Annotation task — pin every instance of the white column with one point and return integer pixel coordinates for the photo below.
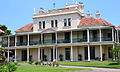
(8, 55)
(100, 35)
(101, 53)
(56, 37)
(41, 38)
(8, 41)
(71, 37)
(88, 52)
(114, 55)
(56, 53)
(53, 53)
(41, 54)
(88, 35)
(28, 54)
(115, 36)
(38, 54)
(15, 40)
(118, 36)
(71, 53)
(112, 34)
(28, 40)
(15, 55)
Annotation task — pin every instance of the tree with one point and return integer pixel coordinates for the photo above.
(5, 29)
(116, 54)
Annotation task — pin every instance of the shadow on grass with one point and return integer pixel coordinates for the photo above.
(114, 64)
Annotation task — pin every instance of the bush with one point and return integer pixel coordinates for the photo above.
(10, 67)
(37, 62)
(31, 62)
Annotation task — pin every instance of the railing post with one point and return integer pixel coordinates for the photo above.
(28, 40)
(118, 36)
(88, 35)
(56, 37)
(100, 34)
(112, 34)
(15, 40)
(71, 37)
(8, 41)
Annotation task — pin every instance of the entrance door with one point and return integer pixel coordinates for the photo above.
(67, 53)
(24, 55)
(92, 53)
(52, 54)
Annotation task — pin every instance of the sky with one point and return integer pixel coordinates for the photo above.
(17, 13)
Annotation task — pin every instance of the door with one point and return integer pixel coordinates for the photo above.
(94, 34)
(21, 39)
(53, 38)
(92, 53)
(24, 55)
(84, 36)
(67, 53)
(52, 54)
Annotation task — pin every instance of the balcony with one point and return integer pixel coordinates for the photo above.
(35, 42)
(49, 41)
(106, 39)
(12, 44)
(77, 40)
(63, 41)
(21, 43)
(4, 44)
(95, 39)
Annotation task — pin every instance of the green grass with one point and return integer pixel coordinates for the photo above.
(23, 63)
(91, 64)
(33, 68)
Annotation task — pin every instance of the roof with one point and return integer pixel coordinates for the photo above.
(26, 28)
(94, 21)
(117, 27)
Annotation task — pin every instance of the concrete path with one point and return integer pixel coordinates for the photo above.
(95, 69)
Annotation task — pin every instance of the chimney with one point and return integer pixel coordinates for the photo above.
(97, 14)
(41, 10)
(88, 14)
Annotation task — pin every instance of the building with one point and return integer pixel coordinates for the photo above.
(63, 34)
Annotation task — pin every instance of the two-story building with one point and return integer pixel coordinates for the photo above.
(65, 35)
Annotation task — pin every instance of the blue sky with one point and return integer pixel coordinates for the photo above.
(17, 13)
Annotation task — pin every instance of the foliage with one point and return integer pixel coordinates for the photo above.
(61, 57)
(10, 67)
(37, 62)
(116, 53)
(8, 32)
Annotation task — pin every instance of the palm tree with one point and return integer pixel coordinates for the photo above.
(116, 53)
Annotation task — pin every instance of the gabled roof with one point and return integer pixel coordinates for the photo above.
(117, 27)
(94, 21)
(26, 28)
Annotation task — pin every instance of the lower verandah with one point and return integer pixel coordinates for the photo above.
(65, 53)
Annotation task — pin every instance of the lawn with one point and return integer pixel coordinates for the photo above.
(33, 68)
(92, 64)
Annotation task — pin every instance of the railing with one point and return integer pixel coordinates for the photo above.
(49, 41)
(12, 44)
(4, 44)
(35, 42)
(63, 41)
(95, 39)
(21, 43)
(106, 39)
(77, 40)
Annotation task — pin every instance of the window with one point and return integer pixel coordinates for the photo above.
(56, 22)
(52, 23)
(69, 21)
(43, 24)
(39, 25)
(65, 22)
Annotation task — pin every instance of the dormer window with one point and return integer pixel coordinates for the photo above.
(65, 22)
(40, 25)
(43, 24)
(69, 21)
(52, 23)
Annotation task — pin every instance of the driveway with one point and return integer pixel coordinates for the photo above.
(95, 69)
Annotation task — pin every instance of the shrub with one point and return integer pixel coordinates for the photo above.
(37, 62)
